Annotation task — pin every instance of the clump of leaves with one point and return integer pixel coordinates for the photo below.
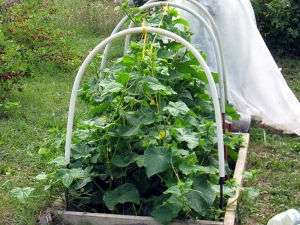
(150, 145)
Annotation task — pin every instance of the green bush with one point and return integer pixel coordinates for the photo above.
(29, 36)
(13, 66)
(278, 22)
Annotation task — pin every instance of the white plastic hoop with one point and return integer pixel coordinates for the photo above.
(216, 42)
(169, 34)
(217, 35)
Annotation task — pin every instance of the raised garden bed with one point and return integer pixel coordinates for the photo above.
(79, 218)
(154, 138)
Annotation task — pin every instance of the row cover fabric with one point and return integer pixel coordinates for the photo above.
(256, 86)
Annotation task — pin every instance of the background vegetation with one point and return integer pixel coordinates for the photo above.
(33, 118)
(279, 24)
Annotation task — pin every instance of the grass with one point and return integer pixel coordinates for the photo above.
(291, 72)
(275, 156)
(277, 179)
(25, 130)
(40, 119)
(28, 129)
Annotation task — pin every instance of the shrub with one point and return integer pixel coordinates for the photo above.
(29, 36)
(279, 24)
(13, 66)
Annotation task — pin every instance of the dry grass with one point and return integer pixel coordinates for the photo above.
(96, 16)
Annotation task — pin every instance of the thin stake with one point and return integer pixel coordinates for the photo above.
(67, 193)
(221, 192)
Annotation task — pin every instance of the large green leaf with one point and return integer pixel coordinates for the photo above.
(177, 108)
(184, 135)
(165, 54)
(227, 191)
(140, 160)
(201, 75)
(95, 156)
(81, 151)
(190, 168)
(155, 85)
(123, 77)
(154, 21)
(185, 67)
(58, 161)
(22, 193)
(175, 204)
(122, 160)
(163, 214)
(67, 176)
(181, 21)
(132, 100)
(173, 74)
(200, 183)
(112, 87)
(123, 193)
(80, 183)
(129, 132)
(136, 118)
(169, 210)
(231, 112)
(196, 201)
(124, 131)
(191, 120)
(181, 152)
(185, 94)
(156, 160)
(100, 108)
(128, 60)
(233, 154)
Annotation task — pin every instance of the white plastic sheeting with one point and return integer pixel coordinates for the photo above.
(256, 85)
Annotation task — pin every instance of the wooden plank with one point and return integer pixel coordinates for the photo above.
(231, 210)
(79, 218)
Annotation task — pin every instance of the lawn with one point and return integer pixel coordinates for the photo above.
(274, 158)
(38, 119)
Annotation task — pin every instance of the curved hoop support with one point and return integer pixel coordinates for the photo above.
(217, 35)
(169, 34)
(216, 42)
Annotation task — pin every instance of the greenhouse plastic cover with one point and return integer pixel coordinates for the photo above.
(256, 86)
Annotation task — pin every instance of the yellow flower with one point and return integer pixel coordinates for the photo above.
(103, 118)
(162, 134)
(152, 102)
